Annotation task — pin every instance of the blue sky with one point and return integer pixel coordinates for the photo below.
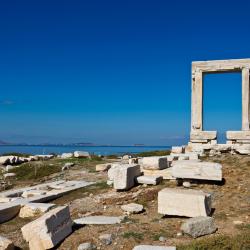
(116, 71)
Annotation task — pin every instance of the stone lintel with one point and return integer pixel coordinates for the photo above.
(238, 135)
(220, 65)
(203, 135)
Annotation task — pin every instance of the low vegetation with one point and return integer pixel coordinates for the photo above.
(154, 153)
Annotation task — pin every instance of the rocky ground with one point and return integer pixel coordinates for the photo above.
(231, 203)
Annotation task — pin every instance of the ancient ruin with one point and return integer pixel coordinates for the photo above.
(199, 69)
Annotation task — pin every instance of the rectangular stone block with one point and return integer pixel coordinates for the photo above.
(203, 135)
(238, 135)
(48, 230)
(197, 170)
(177, 150)
(124, 176)
(149, 180)
(179, 202)
(154, 162)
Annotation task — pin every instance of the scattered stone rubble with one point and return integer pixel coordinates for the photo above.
(55, 222)
(25, 200)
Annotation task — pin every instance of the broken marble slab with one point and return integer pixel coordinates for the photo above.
(197, 170)
(48, 230)
(180, 202)
(99, 220)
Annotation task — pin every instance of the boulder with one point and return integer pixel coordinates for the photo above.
(98, 220)
(48, 230)
(180, 202)
(199, 226)
(150, 247)
(103, 167)
(177, 149)
(82, 154)
(197, 170)
(149, 180)
(34, 209)
(124, 176)
(67, 155)
(154, 162)
(6, 244)
(132, 208)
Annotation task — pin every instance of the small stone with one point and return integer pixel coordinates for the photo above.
(106, 239)
(186, 184)
(238, 222)
(86, 246)
(162, 239)
(68, 165)
(133, 208)
(179, 234)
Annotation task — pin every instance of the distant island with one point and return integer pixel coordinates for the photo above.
(76, 144)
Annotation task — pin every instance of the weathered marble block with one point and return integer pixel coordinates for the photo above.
(124, 176)
(48, 230)
(177, 150)
(8, 211)
(197, 170)
(179, 202)
(149, 180)
(154, 162)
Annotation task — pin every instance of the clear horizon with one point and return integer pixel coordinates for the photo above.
(116, 72)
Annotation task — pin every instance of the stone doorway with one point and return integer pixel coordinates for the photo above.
(197, 134)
